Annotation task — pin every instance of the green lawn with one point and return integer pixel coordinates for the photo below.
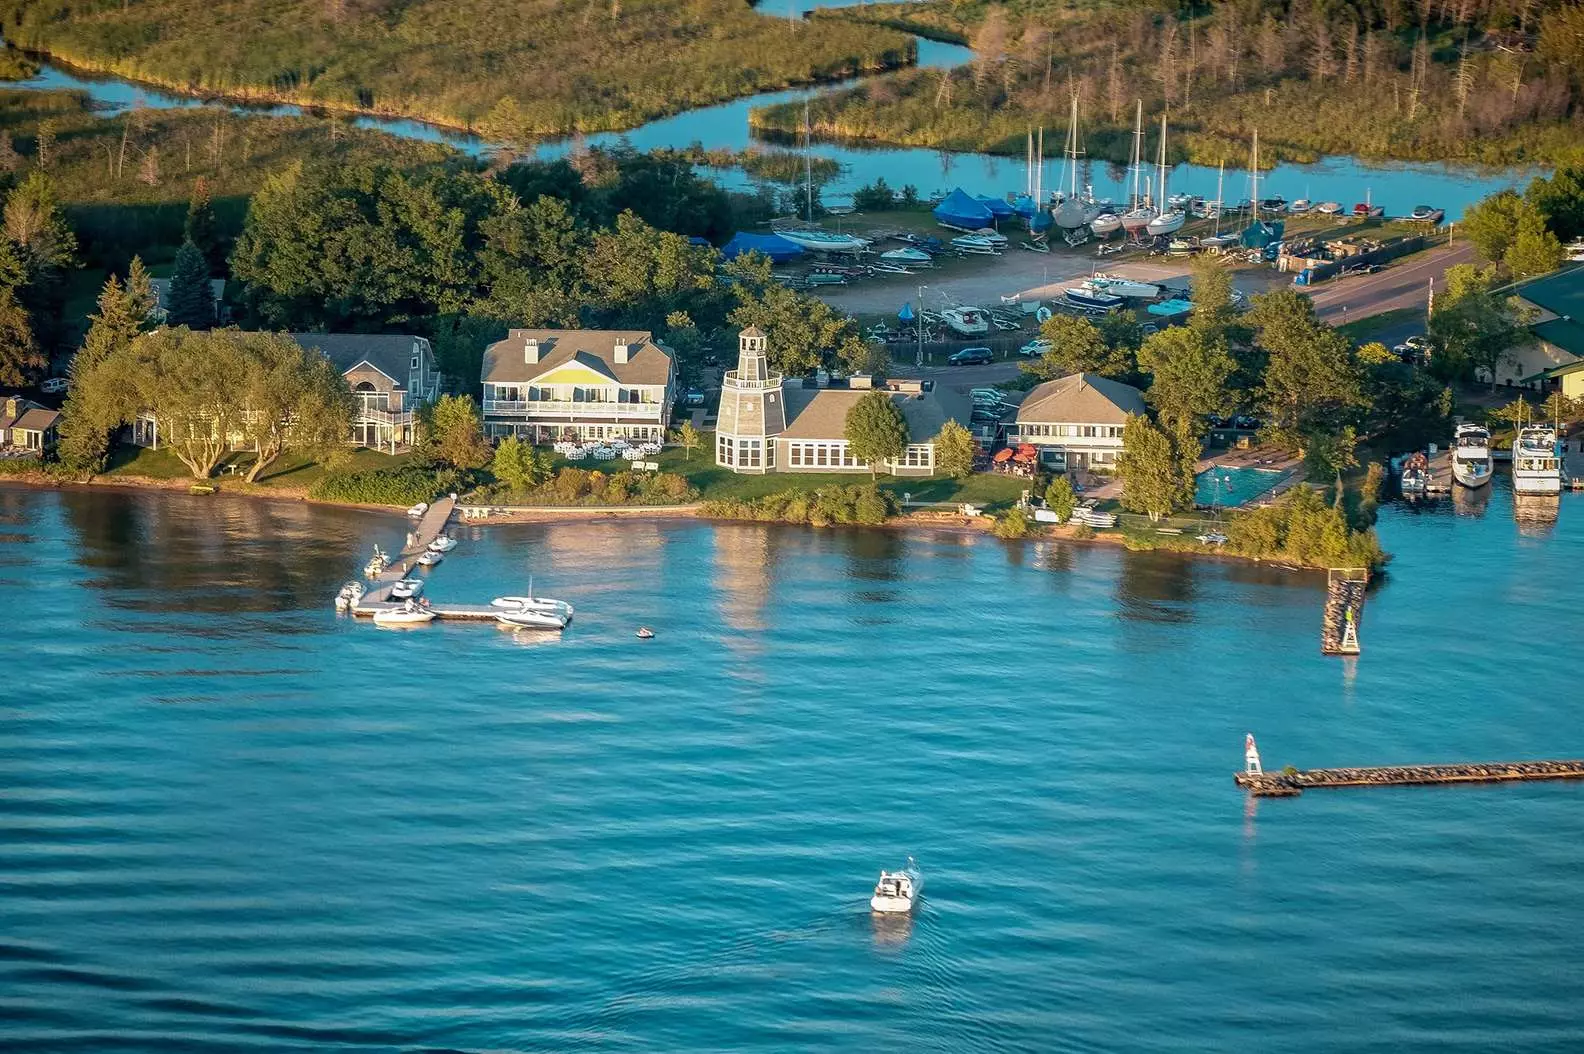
(289, 471)
(1364, 329)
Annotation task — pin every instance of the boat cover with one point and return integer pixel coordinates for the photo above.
(1026, 206)
(906, 314)
(1259, 235)
(960, 210)
(777, 248)
(998, 208)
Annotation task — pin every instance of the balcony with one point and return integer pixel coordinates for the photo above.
(733, 379)
(379, 415)
(576, 409)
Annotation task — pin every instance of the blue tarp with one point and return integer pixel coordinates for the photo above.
(772, 245)
(997, 207)
(906, 314)
(1259, 235)
(1025, 206)
(959, 210)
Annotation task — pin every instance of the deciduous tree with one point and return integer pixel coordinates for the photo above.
(1150, 470)
(295, 399)
(1078, 346)
(954, 451)
(1311, 383)
(456, 430)
(1191, 373)
(875, 430)
(519, 465)
(689, 437)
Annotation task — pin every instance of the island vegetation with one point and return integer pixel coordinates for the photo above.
(1485, 81)
(511, 71)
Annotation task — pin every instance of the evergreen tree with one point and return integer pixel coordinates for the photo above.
(190, 302)
(117, 323)
(140, 289)
(201, 228)
(20, 360)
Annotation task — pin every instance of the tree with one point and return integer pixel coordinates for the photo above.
(875, 430)
(870, 507)
(1534, 250)
(457, 432)
(140, 288)
(1214, 312)
(1334, 455)
(804, 331)
(1077, 346)
(1060, 498)
(189, 301)
(21, 362)
(117, 323)
(1150, 469)
(1560, 199)
(689, 437)
(954, 451)
(295, 399)
(1492, 223)
(519, 465)
(35, 225)
(200, 227)
(1473, 327)
(1519, 412)
(1558, 407)
(1311, 382)
(1191, 373)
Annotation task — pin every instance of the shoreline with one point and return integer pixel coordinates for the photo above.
(959, 526)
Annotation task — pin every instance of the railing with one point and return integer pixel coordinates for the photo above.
(389, 417)
(732, 380)
(576, 408)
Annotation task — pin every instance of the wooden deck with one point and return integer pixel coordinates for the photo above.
(1440, 472)
(1291, 784)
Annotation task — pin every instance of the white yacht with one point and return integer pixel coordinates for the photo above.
(407, 588)
(1471, 455)
(443, 544)
(540, 605)
(430, 558)
(897, 891)
(1116, 285)
(966, 321)
(1536, 467)
(409, 614)
(522, 618)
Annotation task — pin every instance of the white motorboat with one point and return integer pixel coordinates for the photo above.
(906, 255)
(1471, 455)
(977, 245)
(823, 241)
(966, 321)
(1091, 299)
(443, 544)
(645, 633)
(532, 620)
(1166, 223)
(349, 596)
(1427, 214)
(1536, 468)
(409, 614)
(407, 588)
(1301, 206)
(1108, 223)
(418, 510)
(377, 563)
(898, 891)
(1329, 208)
(542, 605)
(1116, 285)
(430, 558)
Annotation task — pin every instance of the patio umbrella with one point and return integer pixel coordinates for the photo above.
(1002, 455)
(906, 314)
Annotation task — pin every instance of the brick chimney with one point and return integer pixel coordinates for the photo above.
(621, 349)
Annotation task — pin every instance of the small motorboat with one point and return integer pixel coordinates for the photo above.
(543, 605)
(409, 614)
(430, 558)
(1116, 285)
(645, 633)
(1078, 296)
(906, 255)
(418, 510)
(1329, 208)
(349, 596)
(531, 619)
(377, 563)
(407, 588)
(443, 544)
(897, 891)
(1299, 207)
(1427, 214)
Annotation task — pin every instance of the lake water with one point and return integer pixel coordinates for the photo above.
(1398, 186)
(230, 820)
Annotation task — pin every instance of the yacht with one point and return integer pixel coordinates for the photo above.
(524, 619)
(407, 588)
(1079, 296)
(443, 544)
(1471, 455)
(966, 321)
(1172, 217)
(1166, 223)
(1116, 285)
(540, 605)
(897, 891)
(409, 614)
(1536, 467)
(430, 558)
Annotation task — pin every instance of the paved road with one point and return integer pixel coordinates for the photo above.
(1401, 286)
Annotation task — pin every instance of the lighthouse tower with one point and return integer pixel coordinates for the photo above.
(752, 408)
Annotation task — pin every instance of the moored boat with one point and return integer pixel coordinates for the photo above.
(1536, 467)
(377, 563)
(1471, 455)
(1427, 214)
(1329, 208)
(1092, 299)
(1416, 473)
(349, 596)
(532, 620)
(430, 558)
(898, 891)
(407, 588)
(409, 614)
(443, 544)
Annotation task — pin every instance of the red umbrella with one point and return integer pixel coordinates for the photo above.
(1004, 454)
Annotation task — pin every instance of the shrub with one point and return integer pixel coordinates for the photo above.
(1015, 524)
(821, 508)
(404, 486)
(1083, 532)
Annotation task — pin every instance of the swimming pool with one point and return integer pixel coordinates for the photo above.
(1230, 486)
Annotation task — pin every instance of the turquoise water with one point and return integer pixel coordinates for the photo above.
(1230, 486)
(230, 820)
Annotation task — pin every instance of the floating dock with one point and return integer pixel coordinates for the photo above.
(1344, 607)
(1293, 782)
(462, 612)
(430, 526)
(1440, 481)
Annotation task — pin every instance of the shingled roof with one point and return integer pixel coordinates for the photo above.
(1081, 398)
(390, 353)
(648, 361)
(822, 414)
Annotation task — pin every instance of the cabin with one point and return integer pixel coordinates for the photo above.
(1075, 422)
(767, 423)
(27, 427)
(578, 385)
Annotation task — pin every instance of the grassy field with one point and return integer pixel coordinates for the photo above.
(512, 69)
(1365, 329)
(288, 474)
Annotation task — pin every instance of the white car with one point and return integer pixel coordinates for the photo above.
(1036, 347)
(55, 386)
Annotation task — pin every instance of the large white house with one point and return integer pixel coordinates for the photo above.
(578, 384)
(1075, 422)
(770, 424)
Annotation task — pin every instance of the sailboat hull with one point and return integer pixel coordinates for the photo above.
(1170, 223)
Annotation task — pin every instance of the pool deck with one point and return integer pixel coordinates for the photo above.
(1267, 458)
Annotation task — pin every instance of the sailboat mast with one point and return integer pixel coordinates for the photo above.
(1162, 203)
(1039, 172)
(1138, 151)
(808, 166)
(1220, 179)
(1072, 192)
(1254, 179)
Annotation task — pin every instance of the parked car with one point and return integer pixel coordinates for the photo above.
(693, 397)
(971, 357)
(1035, 348)
(55, 385)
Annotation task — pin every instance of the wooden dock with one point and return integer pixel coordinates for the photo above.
(1344, 609)
(432, 524)
(459, 612)
(1441, 479)
(1293, 782)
